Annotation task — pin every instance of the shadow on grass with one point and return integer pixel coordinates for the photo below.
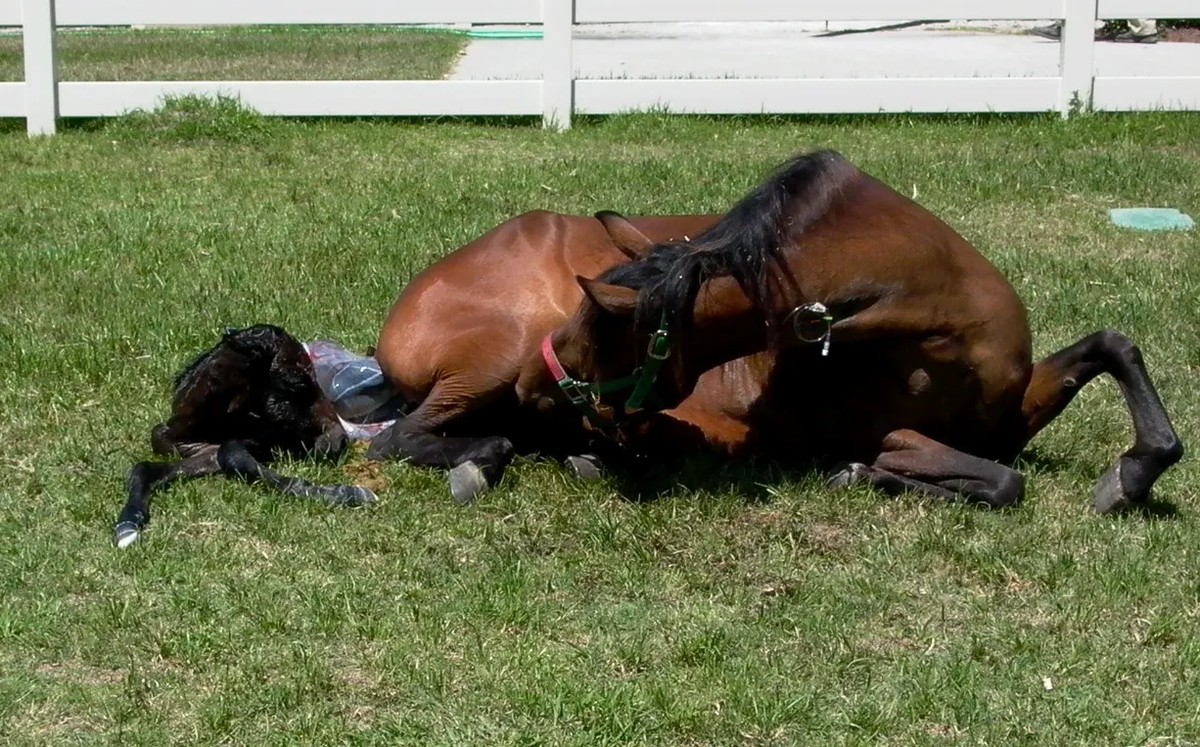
(756, 481)
(639, 481)
(1036, 461)
(1155, 509)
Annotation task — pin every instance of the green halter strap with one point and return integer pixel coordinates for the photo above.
(585, 395)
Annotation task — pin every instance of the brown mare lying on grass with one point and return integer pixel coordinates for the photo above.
(825, 318)
(252, 395)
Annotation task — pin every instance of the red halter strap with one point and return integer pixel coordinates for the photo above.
(556, 370)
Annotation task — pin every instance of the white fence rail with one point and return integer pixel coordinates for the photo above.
(41, 98)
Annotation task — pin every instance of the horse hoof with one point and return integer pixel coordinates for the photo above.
(1109, 495)
(354, 496)
(125, 534)
(851, 474)
(585, 467)
(467, 481)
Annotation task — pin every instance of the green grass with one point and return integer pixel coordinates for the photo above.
(744, 607)
(246, 53)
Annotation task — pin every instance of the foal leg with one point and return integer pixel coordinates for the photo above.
(230, 459)
(915, 463)
(1055, 382)
(147, 477)
(236, 461)
(475, 463)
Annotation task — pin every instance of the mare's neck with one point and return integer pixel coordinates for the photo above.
(726, 326)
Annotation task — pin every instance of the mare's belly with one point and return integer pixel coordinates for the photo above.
(841, 407)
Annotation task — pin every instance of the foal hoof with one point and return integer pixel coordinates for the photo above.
(1109, 495)
(125, 534)
(585, 467)
(467, 482)
(852, 474)
(352, 496)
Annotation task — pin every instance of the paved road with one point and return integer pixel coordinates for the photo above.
(747, 50)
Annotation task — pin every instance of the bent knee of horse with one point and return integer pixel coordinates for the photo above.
(233, 458)
(1120, 347)
(1009, 491)
(502, 448)
(1172, 451)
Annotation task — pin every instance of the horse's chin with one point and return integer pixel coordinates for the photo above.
(530, 390)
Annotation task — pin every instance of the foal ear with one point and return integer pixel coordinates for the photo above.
(632, 242)
(614, 299)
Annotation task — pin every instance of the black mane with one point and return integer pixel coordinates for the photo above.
(745, 244)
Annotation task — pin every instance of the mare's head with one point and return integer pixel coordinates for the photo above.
(711, 298)
(255, 385)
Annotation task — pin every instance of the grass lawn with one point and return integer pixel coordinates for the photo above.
(246, 53)
(775, 612)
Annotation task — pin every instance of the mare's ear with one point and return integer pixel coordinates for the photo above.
(632, 242)
(614, 299)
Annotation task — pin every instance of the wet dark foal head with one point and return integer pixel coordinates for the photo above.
(257, 386)
(661, 289)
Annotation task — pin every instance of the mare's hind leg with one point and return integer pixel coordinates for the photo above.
(231, 459)
(475, 463)
(912, 462)
(1055, 382)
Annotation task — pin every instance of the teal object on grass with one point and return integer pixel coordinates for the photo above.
(505, 33)
(1151, 219)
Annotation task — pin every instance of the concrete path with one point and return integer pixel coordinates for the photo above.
(792, 50)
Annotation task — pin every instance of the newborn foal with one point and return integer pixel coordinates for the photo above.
(250, 397)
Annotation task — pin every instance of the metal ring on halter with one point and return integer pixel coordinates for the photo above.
(822, 312)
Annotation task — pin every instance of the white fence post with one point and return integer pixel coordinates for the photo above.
(558, 75)
(41, 68)
(1077, 56)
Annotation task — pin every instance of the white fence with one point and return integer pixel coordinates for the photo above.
(42, 98)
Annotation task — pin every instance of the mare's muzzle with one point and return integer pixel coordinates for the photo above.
(585, 395)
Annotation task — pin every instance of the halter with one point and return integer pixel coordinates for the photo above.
(585, 395)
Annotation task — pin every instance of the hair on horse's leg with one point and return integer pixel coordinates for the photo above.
(891, 484)
(475, 463)
(230, 458)
(235, 460)
(915, 463)
(1059, 377)
(147, 477)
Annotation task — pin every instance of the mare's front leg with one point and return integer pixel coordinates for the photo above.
(1059, 377)
(475, 463)
(911, 462)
